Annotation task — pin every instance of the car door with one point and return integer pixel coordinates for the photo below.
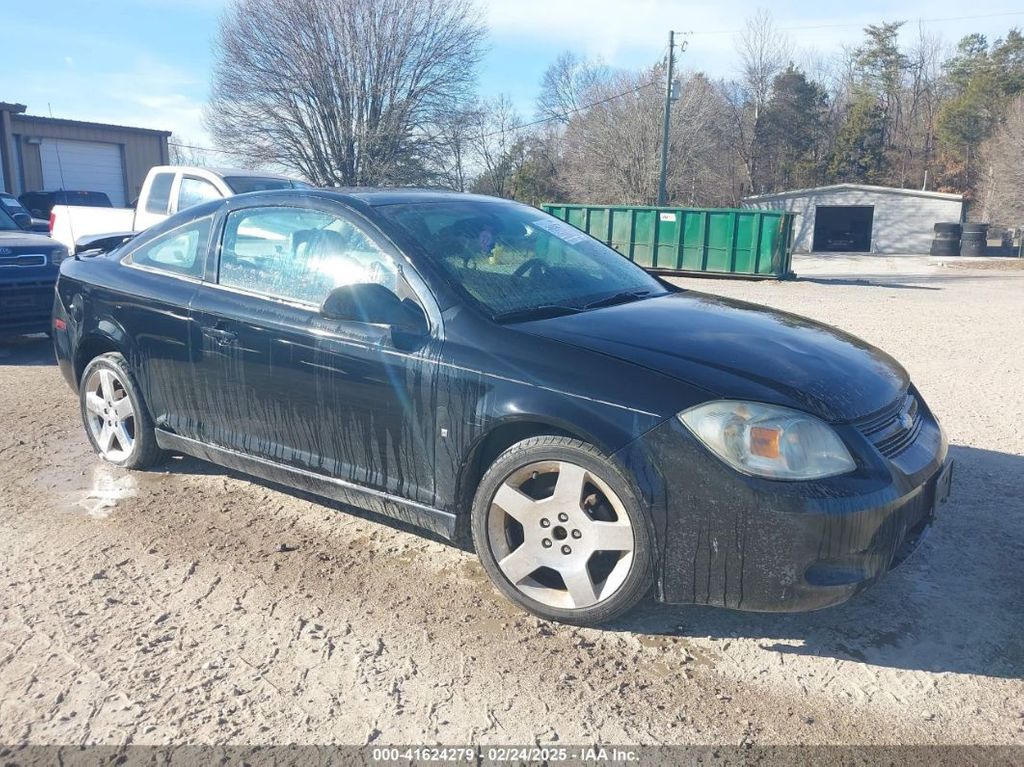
(285, 384)
(160, 278)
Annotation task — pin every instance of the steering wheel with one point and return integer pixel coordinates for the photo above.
(533, 267)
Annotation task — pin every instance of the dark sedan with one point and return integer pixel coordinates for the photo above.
(483, 370)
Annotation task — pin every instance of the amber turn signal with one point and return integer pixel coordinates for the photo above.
(764, 441)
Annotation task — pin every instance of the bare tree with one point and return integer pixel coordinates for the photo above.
(611, 152)
(915, 139)
(183, 151)
(342, 91)
(1001, 193)
(567, 85)
(498, 145)
(453, 158)
(764, 51)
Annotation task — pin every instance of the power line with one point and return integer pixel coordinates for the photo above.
(638, 88)
(204, 148)
(541, 121)
(576, 110)
(861, 25)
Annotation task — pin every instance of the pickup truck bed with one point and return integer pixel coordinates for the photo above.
(72, 222)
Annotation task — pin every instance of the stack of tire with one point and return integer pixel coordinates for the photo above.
(946, 241)
(973, 239)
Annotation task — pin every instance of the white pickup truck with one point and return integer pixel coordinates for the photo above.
(166, 190)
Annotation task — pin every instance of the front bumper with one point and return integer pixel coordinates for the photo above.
(765, 545)
(25, 306)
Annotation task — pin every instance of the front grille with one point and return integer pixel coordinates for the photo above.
(894, 428)
(26, 299)
(23, 259)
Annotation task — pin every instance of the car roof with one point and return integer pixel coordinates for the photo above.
(64, 191)
(221, 172)
(379, 196)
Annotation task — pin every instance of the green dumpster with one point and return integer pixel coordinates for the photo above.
(752, 243)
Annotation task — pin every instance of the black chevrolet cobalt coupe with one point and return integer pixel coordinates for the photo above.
(485, 371)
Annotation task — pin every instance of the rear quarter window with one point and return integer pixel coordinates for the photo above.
(181, 251)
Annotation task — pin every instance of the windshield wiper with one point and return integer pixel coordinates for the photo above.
(618, 298)
(536, 312)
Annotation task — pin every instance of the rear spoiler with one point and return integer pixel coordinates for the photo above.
(95, 244)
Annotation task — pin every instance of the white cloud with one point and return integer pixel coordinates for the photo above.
(144, 93)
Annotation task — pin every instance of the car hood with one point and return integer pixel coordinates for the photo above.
(738, 350)
(21, 239)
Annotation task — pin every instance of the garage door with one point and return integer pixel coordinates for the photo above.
(83, 165)
(843, 228)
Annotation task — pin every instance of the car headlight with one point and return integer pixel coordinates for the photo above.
(57, 255)
(769, 441)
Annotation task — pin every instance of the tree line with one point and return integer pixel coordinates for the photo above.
(384, 92)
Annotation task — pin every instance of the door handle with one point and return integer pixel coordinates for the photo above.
(220, 336)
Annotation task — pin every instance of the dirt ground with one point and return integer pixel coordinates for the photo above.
(191, 605)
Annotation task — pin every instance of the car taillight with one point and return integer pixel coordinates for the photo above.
(53, 217)
(60, 325)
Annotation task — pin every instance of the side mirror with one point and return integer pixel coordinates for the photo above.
(374, 304)
(24, 220)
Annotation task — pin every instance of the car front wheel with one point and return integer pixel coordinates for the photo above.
(116, 420)
(560, 531)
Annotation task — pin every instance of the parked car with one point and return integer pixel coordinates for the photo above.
(166, 190)
(28, 271)
(41, 204)
(22, 217)
(478, 367)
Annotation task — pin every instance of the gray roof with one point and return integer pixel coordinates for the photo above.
(854, 188)
(82, 124)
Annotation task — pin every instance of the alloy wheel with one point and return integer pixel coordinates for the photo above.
(110, 414)
(560, 535)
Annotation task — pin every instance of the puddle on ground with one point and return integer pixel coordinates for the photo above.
(96, 491)
(107, 489)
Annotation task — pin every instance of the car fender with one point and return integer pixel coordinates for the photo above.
(107, 335)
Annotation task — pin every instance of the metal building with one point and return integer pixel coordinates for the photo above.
(44, 154)
(857, 218)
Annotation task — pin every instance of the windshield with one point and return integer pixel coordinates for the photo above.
(7, 223)
(243, 184)
(515, 261)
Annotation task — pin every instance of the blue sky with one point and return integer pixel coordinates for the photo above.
(147, 62)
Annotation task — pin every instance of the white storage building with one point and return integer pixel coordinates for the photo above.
(857, 218)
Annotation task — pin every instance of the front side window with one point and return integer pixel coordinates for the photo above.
(195, 191)
(301, 255)
(512, 259)
(180, 251)
(159, 193)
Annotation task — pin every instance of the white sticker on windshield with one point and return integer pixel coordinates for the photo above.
(561, 230)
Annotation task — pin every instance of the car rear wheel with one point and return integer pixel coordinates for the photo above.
(116, 420)
(560, 531)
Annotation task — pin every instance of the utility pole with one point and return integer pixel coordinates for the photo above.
(670, 96)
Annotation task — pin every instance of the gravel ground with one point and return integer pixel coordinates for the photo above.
(193, 605)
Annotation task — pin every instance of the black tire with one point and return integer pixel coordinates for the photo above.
(945, 248)
(144, 451)
(639, 576)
